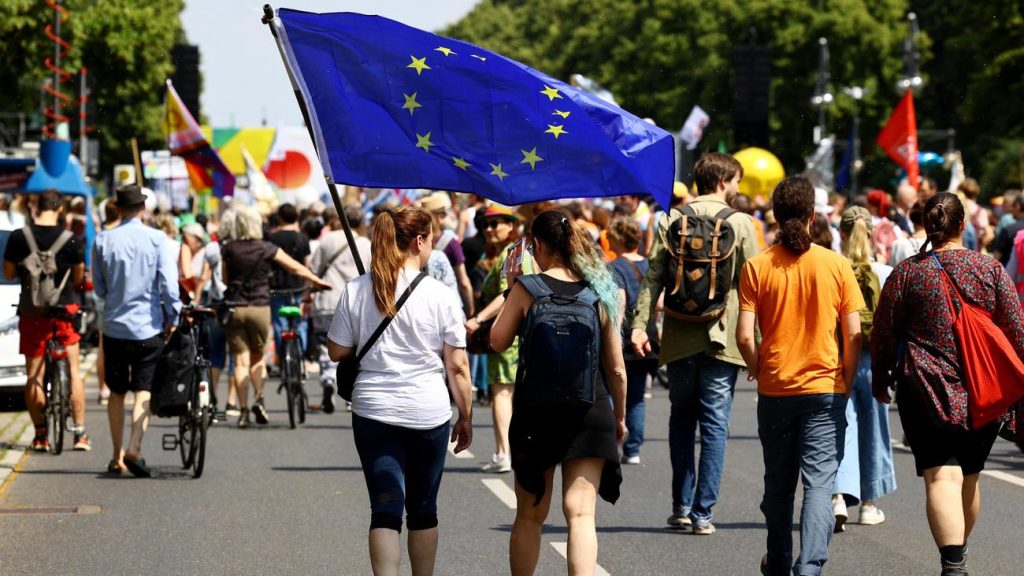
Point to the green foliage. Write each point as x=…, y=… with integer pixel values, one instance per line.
x=661, y=57
x=125, y=46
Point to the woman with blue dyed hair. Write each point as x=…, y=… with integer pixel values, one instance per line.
x=581, y=436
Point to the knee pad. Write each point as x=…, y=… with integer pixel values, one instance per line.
x=421, y=521
x=386, y=520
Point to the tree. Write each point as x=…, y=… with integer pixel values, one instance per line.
x=125, y=46
x=661, y=57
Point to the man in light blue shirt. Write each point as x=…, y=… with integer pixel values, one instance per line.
x=137, y=277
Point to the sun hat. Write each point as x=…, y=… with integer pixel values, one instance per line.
x=499, y=210
x=436, y=202
x=851, y=215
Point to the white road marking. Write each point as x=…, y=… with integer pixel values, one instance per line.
x=997, y=474
x=563, y=549
x=502, y=491
x=464, y=455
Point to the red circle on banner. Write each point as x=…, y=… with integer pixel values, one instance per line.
x=290, y=172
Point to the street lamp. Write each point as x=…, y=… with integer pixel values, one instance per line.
x=857, y=93
x=822, y=97
x=911, y=79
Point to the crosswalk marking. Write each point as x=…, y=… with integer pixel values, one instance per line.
x=997, y=474
x=502, y=491
x=563, y=549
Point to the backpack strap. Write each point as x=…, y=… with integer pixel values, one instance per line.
x=534, y=285
x=64, y=238
x=684, y=231
x=719, y=218
x=30, y=239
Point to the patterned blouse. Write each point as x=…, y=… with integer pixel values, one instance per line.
x=913, y=314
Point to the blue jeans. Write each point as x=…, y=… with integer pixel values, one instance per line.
x=636, y=407
x=801, y=436
x=281, y=324
x=402, y=468
x=701, y=390
x=866, y=472
x=478, y=370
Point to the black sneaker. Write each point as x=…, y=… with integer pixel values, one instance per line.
x=260, y=412
x=954, y=568
x=328, y=404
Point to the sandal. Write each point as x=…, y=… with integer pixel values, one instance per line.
x=138, y=467
x=114, y=468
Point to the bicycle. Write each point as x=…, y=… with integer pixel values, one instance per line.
x=190, y=441
x=57, y=379
x=293, y=370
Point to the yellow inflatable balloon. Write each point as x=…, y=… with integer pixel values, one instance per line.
x=761, y=172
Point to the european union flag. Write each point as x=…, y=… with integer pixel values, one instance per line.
x=396, y=107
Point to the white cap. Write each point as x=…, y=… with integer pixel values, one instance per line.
x=821, y=205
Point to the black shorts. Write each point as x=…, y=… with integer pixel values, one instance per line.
x=935, y=445
x=131, y=364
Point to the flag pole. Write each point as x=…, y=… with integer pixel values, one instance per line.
x=268, y=17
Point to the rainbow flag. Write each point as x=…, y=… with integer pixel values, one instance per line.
x=206, y=170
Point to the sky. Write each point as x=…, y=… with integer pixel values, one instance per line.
x=244, y=81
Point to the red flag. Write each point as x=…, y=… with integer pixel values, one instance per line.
x=899, y=137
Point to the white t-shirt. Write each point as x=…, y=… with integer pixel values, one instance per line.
x=401, y=379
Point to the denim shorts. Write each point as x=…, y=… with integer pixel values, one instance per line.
x=403, y=470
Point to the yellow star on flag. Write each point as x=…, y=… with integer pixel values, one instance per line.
x=410, y=103
x=560, y=113
x=531, y=158
x=424, y=142
x=419, y=64
x=445, y=51
x=460, y=162
x=556, y=130
x=496, y=171
x=550, y=92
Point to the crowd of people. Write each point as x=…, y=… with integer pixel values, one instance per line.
x=827, y=301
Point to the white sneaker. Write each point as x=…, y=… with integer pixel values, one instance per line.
x=497, y=465
x=839, y=509
x=632, y=460
x=871, y=515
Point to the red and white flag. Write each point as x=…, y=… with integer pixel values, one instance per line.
x=899, y=137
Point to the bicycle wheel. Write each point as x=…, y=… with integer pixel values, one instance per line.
x=199, y=416
x=289, y=375
x=298, y=382
x=57, y=404
x=188, y=426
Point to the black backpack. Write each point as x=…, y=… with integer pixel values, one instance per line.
x=173, y=382
x=700, y=267
x=559, y=348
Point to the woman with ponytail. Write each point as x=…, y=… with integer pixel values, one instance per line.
x=400, y=407
x=798, y=293
x=542, y=436
x=866, y=472
x=915, y=353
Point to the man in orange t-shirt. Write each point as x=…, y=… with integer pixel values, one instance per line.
x=798, y=293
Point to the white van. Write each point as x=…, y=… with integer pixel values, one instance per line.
x=12, y=363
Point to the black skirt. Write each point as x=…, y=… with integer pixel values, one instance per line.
x=941, y=445
x=542, y=437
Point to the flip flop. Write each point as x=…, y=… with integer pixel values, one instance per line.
x=114, y=468
x=138, y=468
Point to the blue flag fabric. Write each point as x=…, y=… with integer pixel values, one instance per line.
x=396, y=107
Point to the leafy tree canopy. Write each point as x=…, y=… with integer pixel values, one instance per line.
x=661, y=57
x=126, y=47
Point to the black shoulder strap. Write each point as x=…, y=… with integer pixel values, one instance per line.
x=387, y=319
x=724, y=214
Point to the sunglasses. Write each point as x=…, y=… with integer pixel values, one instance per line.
x=491, y=224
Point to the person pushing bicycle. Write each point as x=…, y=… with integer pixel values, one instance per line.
x=50, y=262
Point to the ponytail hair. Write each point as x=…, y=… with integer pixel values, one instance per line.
x=394, y=231
x=943, y=219
x=578, y=252
x=856, y=229
x=793, y=205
